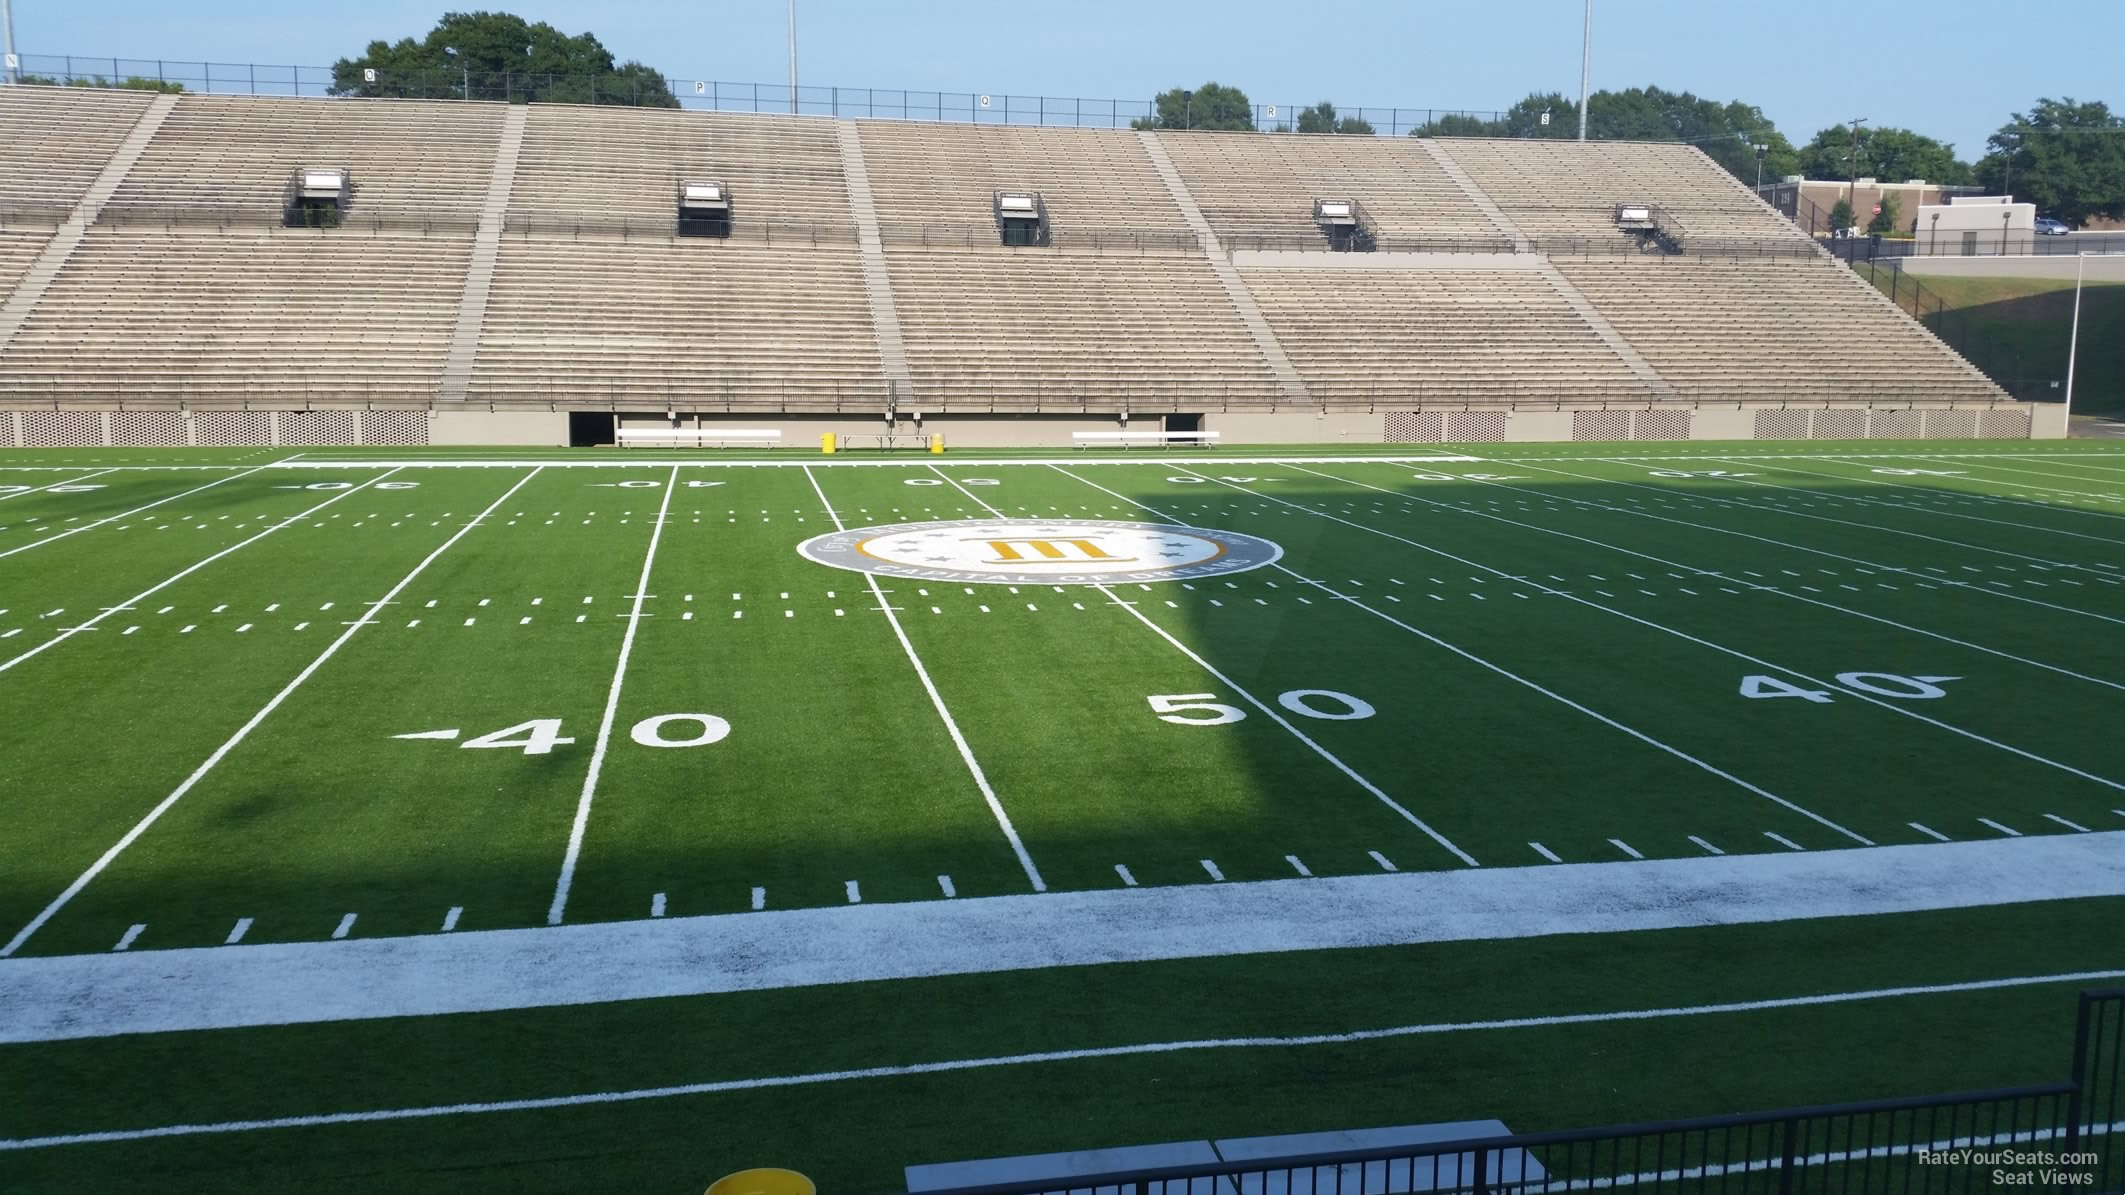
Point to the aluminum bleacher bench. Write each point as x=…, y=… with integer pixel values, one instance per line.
x=697, y=437
x=1125, y=439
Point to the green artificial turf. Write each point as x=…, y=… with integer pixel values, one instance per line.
x=1510, y=621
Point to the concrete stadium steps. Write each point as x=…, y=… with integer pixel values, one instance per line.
x=409, y=159
x=55, y=140
x=614, y=164
x=1403, y=336
x=946, y=176
x=1568, y=189
x=696, y=321
x=1254, y=186
x=1803, y=327
x=255, y=313
x=1044, y=328
x=18, y=249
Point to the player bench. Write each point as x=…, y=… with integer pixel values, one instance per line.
x=698, y=437
x=1125, y=439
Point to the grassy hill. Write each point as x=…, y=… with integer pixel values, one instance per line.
x=2016, y=329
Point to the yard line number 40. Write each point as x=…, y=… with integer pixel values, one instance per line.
x=540, y=736
x=1881, y=684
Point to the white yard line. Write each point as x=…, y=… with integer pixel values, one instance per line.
x=143, y=595
x=1930, y=491
x=209, y=987
x=55, y=485
x=1914, y=574
x=1736, y=653
x=1515, y=677
x=1722, y=575
x=966, y=752
x=2031, y=472
x=95, y=869
x=559, y=907
x=149, y=506
x=1330, y=757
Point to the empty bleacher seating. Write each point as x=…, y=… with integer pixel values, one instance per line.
x=258, y=313
x=1560, y=191
x=231, y=157
x=625, y=164
x=1052, y=330
x=55, y=140
x=1364, y=336
x=1775, y=328
x=707, y=323
x=1096, y=183
x=1253, y=188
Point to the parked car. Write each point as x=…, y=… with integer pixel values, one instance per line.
x=2046, y=226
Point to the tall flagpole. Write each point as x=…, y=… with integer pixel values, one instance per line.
x=7, y=36
x=793, y=56
x=2073, y=341
x=1586, y=71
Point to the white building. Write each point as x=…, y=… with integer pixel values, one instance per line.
x=1977, y=226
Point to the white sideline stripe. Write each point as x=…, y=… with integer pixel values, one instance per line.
x=1289, y=1041
x=101, y=994
x=150, y=506
x=54, y=485
x=1850, y=691
x=574, y=852
x=1604, y=719
x=159, y=586
x=1784, y=593
x=966, y=753
x=244, y=731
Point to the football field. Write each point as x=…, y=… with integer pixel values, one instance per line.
x=348, y=781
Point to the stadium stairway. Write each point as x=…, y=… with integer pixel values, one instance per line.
x=486, y=247
x=38, y=278
x=877, y=281
x=1229, y=278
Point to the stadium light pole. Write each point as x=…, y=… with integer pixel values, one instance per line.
x=793, y=57
x=7, y=35
x=2073, y=342
x=1586, y=66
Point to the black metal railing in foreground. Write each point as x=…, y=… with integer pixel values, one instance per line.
x=2062, y=1136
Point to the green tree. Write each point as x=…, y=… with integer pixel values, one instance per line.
x=1321, y=118
x=500, y=56
x=129, y=83
x=1728, y=133
x=1884, y=221
x=1840, y=215
x=1211, y=106
x=1891, y=155
x=2066, y=157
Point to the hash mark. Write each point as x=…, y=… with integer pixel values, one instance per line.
x=1215, y=874
x=1625, y=847
x=1545, y=852
x=1381, y=859
x=1122, y=870
x=346, y=926
x=450, y=918
x=2002, y=829
x=1709, y=849
x=1783, y=841
x=656, y=905
x=1298, y=866
x=759, y=899
x=945, y=882
x=855, y=893
x=126, y=942
x=243, y=926
x=2069, y=825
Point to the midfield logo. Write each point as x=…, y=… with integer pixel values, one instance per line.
x=1040, y=551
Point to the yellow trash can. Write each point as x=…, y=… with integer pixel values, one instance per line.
x=937, y=442
x=765, y=1181
x=826, y=443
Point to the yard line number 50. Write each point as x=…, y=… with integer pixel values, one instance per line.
x=1203, y=709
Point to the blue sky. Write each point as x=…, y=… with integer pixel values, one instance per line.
x=1953, y=69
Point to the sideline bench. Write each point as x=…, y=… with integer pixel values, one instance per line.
x=1125, y=439
x=697, y=437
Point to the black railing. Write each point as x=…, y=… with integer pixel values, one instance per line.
x=2000, y=360
x=666, y=90
x=2048, y=1137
